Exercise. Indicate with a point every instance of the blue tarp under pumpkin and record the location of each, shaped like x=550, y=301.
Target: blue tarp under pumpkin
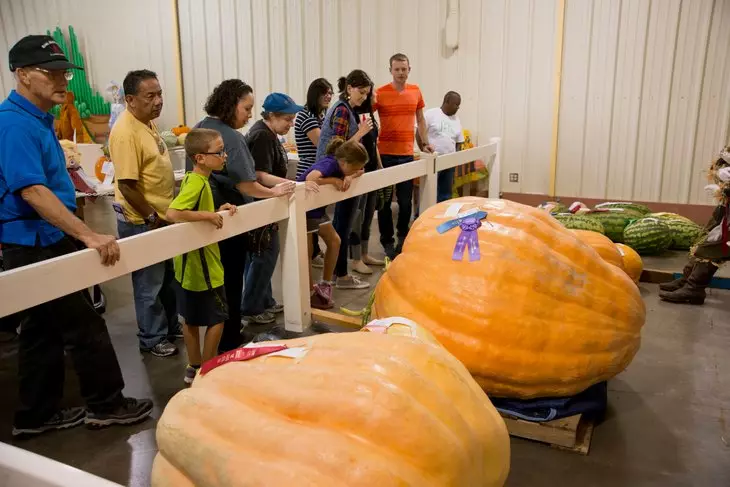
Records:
x=591, y=401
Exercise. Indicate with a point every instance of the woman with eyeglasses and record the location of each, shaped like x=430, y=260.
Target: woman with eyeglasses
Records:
x=342, y=121
x=229, y=109
x=307, y=129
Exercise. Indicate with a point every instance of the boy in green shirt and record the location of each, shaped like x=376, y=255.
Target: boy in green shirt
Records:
x=201, y=296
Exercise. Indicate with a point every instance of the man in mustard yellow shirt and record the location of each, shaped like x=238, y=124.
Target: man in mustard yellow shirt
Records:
x=144, y=185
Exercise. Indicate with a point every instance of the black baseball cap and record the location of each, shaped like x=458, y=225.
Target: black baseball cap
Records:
x=37, y=50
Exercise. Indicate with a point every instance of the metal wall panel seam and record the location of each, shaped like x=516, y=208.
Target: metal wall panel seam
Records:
x=528, y=95
x=505, y=42
x=588, y=91
x=178, y=63
x=613, y=101
x=641, y=100
x=699, y=104
x=660, y=177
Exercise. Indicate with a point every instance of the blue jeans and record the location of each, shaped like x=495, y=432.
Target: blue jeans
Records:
x=257, y=292
x=445, y=184
x=404, y=196
x=154, y=295
x=345, y=213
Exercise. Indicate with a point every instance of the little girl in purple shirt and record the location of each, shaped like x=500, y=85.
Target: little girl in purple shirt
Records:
x=343, y=162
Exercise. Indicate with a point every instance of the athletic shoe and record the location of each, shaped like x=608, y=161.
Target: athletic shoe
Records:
x=351, y=282
x=131, y=411
x=260, y=319
x=162, y=349
x=317, y=301
x=275, y=309
x=318, y=262
x=190, y=373
x=324, y=289
x=63, y=419
x=369, y=260
x=360, y=267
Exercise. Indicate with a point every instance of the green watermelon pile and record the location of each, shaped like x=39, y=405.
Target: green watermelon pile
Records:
x=631, y=223
x=648, y=236
x=579, y=222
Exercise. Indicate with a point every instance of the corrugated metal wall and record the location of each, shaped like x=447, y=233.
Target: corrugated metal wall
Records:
x=502, y=68
x=115, y=37
x=645, y=98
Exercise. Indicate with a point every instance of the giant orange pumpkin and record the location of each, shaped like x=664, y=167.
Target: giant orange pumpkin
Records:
x=633, y=264
x=603, y=245
x=355, y=409
x=541, y=314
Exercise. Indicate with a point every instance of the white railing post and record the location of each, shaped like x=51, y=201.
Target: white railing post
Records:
x=428, y=186
x=295, y=265
x=494, y=171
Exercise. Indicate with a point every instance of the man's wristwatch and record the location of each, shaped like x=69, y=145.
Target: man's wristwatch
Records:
x=152, y=219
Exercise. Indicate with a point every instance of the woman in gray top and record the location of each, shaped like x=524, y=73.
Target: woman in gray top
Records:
x=229, y=109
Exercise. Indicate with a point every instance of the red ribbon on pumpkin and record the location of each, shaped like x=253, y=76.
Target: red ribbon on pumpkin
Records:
x=239, y=355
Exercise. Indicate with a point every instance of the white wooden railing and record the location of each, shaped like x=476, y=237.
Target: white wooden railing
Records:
x=34, y=284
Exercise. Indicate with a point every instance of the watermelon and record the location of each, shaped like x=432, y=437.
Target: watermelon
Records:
x=625, y=205
x=578, y=222
x=663, y=215
x=648, y=236
x=685, y=232
x=553, y=207
x=614, y=221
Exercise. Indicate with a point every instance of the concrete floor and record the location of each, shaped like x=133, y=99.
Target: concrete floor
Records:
x=667, y=423
x=674, y=261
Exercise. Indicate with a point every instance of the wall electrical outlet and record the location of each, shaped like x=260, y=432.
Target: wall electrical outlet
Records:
x=514, y=177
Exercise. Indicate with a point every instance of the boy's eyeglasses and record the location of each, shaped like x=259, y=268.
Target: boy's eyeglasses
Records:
x=68, y=74
x=219, y=154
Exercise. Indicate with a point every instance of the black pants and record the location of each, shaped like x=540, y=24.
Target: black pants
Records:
x=345, y=213
x=233, y=258
x=70, y=323
x=404, y=196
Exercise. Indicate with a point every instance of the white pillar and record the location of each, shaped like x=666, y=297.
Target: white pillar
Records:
x=494, y=171
x=295, y=265
x=427, y=187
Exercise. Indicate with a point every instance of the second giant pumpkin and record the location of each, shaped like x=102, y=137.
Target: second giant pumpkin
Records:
x=540, y=314
x=383, y=408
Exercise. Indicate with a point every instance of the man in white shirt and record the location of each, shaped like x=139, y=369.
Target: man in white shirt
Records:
x=446, y=136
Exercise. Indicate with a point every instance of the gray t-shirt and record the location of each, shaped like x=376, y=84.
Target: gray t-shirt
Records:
x=240, y=166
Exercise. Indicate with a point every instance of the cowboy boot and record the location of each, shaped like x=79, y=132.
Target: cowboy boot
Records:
x=693, y=291
x=679, y=283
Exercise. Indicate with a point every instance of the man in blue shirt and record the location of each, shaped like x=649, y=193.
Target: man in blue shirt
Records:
x=37, y=200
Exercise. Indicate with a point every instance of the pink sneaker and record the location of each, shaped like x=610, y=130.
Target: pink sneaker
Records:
x=324, y=289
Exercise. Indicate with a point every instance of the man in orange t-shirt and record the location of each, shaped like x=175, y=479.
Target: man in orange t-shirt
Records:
x=399, y=105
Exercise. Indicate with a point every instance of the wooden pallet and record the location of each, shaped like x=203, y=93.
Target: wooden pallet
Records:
x=573, y=433
x=338, y=319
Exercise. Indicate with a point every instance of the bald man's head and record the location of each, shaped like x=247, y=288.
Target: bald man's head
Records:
x=451, y=103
